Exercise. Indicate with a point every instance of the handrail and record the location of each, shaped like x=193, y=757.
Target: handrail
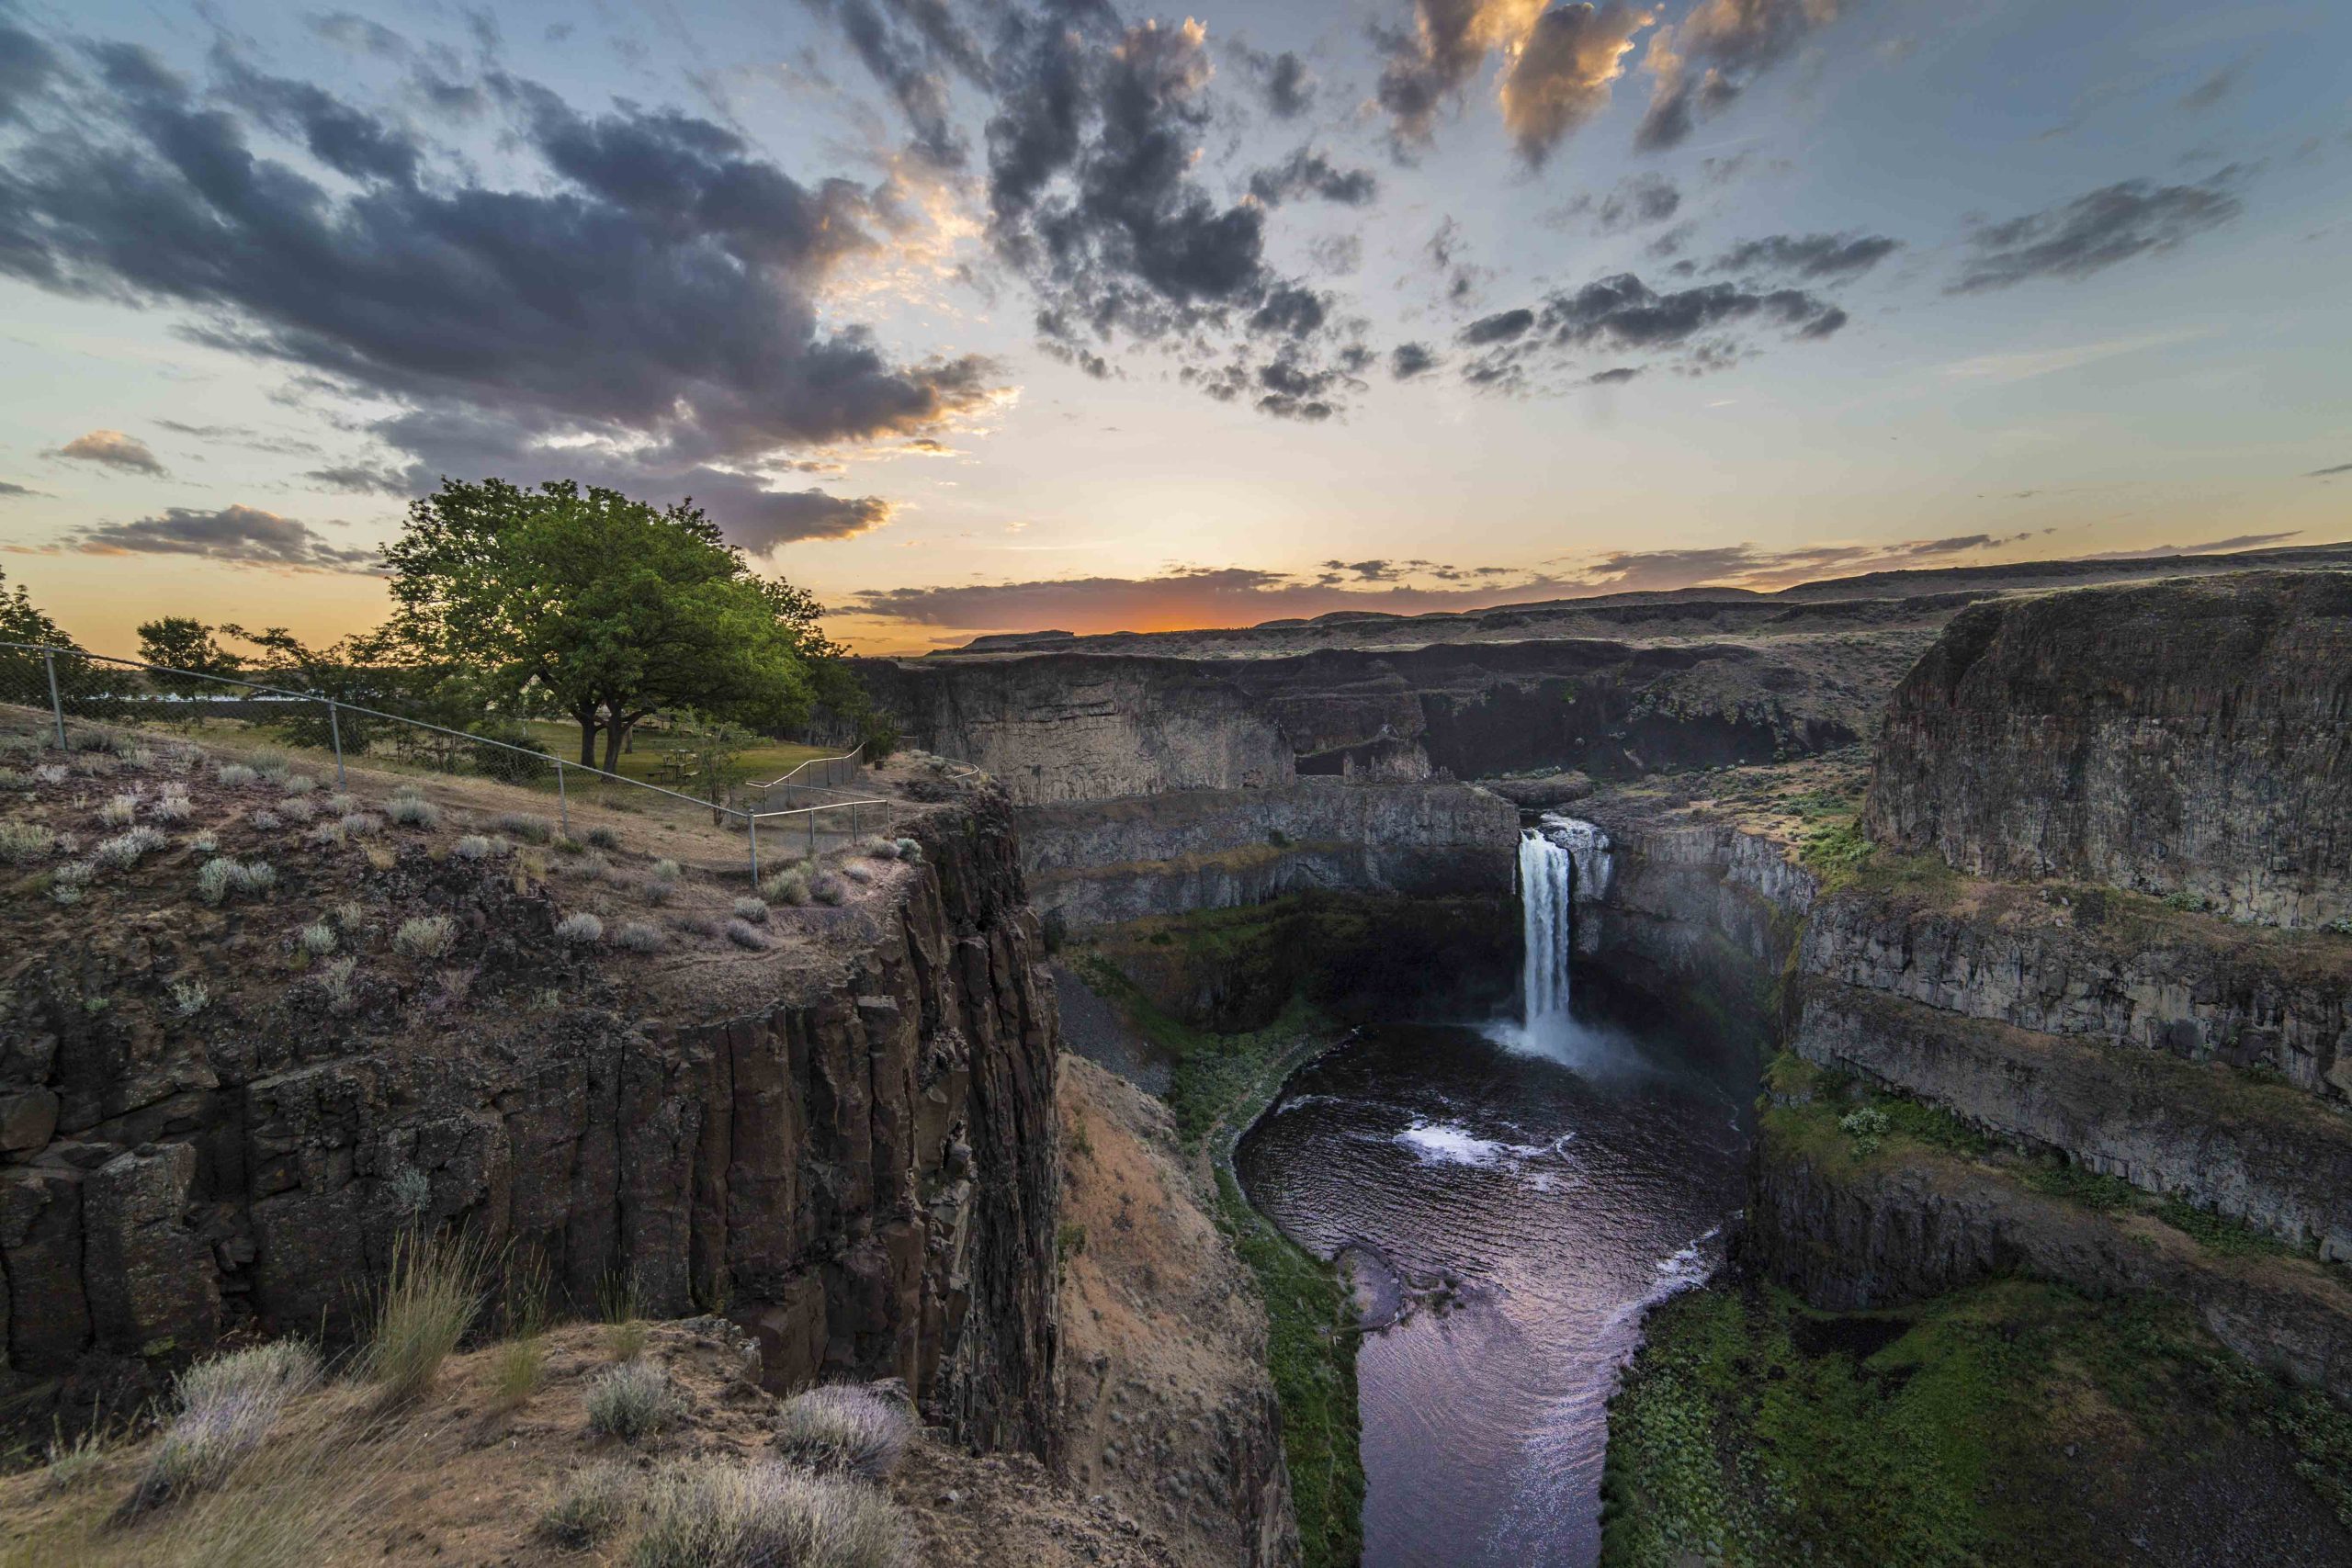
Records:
x=808, y=762
x=827, y=805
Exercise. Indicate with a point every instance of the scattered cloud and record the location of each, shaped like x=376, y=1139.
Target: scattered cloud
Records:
x=1820, y=256
x=1559, y=65
x=1703, y=63
x=1633, y=202
x=1698, y=329
x=360, y=479
x=2213, y=88
x=236, y=536
x=10, y=492
x=110, y=448
x=2093, y=232
x=1285, y=87
x=2324, y=473
x=1408, y=360
x=1308, y=173
x=2210, y=548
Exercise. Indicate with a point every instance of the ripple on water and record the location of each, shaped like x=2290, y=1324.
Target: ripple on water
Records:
x=1564, y=1199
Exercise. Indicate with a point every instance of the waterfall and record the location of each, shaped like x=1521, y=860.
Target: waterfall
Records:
x=1562, y=862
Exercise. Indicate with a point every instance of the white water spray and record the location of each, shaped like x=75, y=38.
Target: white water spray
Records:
x=1562, y=862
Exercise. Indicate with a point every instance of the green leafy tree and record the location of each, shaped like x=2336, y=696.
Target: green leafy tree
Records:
x=22, y=621
x=351, y=671
x=183, y=642
x=612, y=608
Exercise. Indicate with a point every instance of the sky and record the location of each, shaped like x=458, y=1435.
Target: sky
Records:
x=989, y=315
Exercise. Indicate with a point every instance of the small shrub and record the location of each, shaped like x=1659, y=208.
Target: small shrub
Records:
x=120, y=812
x=412, y=811
x=10, y=779
x=827, y=888
x=1866, y=1127
x=592, y=865
x=124, y=849
x=360, y=824
x=190, y=997
x=743, y=933
x=698, y=925
x=658, y=891
x=51, y=773
x=298, y=783
x=424, y=1308
x=425, y=936
x=631, y=1400
x=473, y=846
x=787, y=887
x=67, y=882
x=216, y=881
x=173, y=806
x=522, y=825
x=2185, y=903
x=665, y=870
x=338, y=983
x=595, y=1501
x=235, y=775
x=752, y=909
x=860, y=874
x=352, y=916
x=256, y=877
x=602, y=838
x=67, y=1464
x=317, y=938
x=708, y=1512
x=325, y=836
x=341, y=801
x=844, y=1428
x=271, y=763
x=911, y=850
x=412, y=1189
x=882, y=848
x=641, y=936
x=227, y=1404
x=299, y=810
x=204, y=844
x=583, y=929
x=24, y=842
x=266, y=820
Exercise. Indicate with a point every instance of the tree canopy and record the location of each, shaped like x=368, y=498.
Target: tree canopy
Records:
x=23, y=621
x=615, y=608
x=183, y=642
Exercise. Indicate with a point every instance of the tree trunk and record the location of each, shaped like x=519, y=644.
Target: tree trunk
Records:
x=587, y=720
x=615, y=731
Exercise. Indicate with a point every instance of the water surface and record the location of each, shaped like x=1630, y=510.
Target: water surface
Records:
x=1524, y=1205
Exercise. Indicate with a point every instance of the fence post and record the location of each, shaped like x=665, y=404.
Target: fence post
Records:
x=56, y=708
x=812, y=833
x=334, y=728
x=753, y=817
x=853, y=822
x=562, y=801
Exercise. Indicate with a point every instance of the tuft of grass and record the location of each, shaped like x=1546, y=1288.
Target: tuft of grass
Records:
x=296, y=784
x=227, y=1406
x=351, y=916
x=641, y=936
x=67, y=882
x=337, y=983
x=844, y=1428
x=318, y=939
x=582, y=929
x=523, y=825
x=173, y=806
x=665, y=870
x=592, y=1504
x=265, y=819
x=473, y=846
x=752, y=909
x=786, y=887
x=190, y=997
x=24, y=842
x=827, y=888
x=516, y=1368
x=298, y=810
x=882, y=848
x=412, y=811
x=427, y=1302
x=126, y=850
x=360, y=824
x=633, y=1400
x=602, y=837
x=121, y=811
x=235, y=775
x=710, y=1512
x=743, y=933
x=425, y=936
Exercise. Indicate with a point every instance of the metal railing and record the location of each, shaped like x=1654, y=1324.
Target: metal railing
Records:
x=115, y=702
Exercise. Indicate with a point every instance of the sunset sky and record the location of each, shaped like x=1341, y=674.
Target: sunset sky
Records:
x=980, y=315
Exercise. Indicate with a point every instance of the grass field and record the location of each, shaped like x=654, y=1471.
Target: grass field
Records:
x=768, y=760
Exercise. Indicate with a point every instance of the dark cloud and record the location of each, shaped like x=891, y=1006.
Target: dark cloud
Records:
x=2093, y=232
x=1501, y=327
x=358, y=479
x=2213, y=89
x=2324, y=473
x=238, y=536
x=1616, y=377
x=1308, y=173
x=111, y=448
x=1561, y=69
x=915, y=49
x=647, y=310
x=343, y=138
x=1624, y=313
x=238, y=436
x=1704, y=61
x=13, y=490
x=27, y=64
x=1824, y=256
x=2210, y=548
x=1561, y=62
x=1408, y=360
x=1285, y=87
x=1633, y=202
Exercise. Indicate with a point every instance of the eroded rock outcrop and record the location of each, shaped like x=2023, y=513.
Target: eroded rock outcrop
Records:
x=2189, y=738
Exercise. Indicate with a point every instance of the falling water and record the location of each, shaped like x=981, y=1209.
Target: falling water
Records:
x=1546, y=894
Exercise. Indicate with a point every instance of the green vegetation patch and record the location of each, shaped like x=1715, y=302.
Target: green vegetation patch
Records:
x=2010, y=1423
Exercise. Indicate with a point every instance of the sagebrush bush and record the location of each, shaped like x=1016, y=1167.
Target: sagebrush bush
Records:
x=844, y=1426
x=360, y=824
x=522, y=825
x=641, y=936
x=125, y=850
x=882, y=848
x=326, y=835
x=658, y=892
x=235, y=775
x=270, y=763
x=789, y=887
x=172, y=806
x=318, y=939
x=698, y=925
x=412, y=811
x=120, y=812
x=204, y=843
x=666, y=870
x=51, y=773
x=190, y=997
x=752, y=909
x=827, y=888
x=593, y=1502
x=582, y=929
x=911, y=850
x=221, y=879
x=298, y=783
x=68, y=881
x=743, y=933
x=262, y=817
x=338, y=983
x=227, y=1404
x=352, y=916
x=707, y=1512
x=602, y=838
x=633, y=1399
x=10, y=779
x=594, y=865
x=426, y=1304
x=473, y=846
x=299, y=810
x=860, y=874
x=343, y=801
x=425, y=936
x=24, y=842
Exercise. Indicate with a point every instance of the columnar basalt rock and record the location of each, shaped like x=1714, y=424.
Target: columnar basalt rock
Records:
x=2190, y=738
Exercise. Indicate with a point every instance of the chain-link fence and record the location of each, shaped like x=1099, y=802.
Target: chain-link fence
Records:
x=73, y=700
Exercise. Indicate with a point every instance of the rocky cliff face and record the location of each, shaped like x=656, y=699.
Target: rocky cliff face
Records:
x=2182, y=737
x=853, y=1154
x=1108, y=861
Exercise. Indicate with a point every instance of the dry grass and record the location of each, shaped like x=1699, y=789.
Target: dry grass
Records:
x=844, y=1428
x=593, y=1502
x=632, y=1399
x=425, y=1307
x=711, y=1514
x=227, y=1406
